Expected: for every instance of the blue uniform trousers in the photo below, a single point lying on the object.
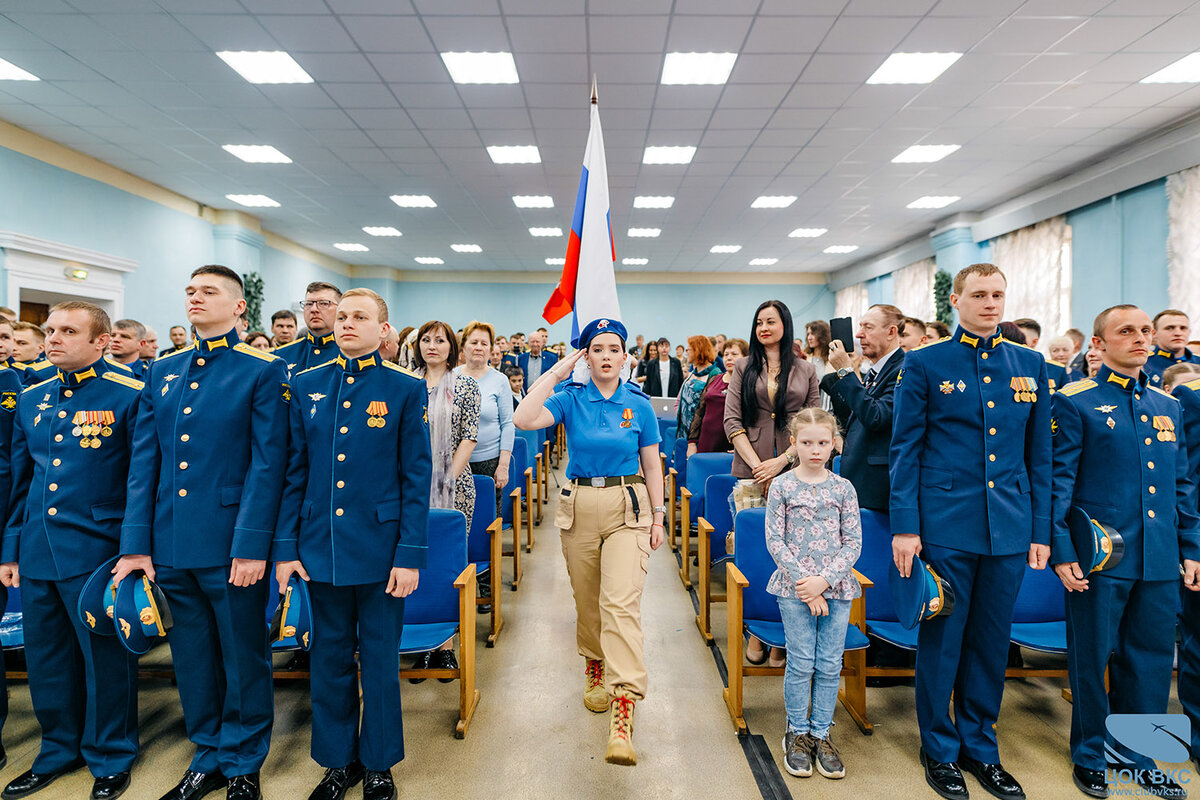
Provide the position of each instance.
(1189, 663)
(367, 619)
(1128, 627)
(83, 686)
(222, 665)
(966, 653)
(3, 674)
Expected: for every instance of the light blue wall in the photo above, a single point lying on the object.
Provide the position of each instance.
(1119, 253)
(881, 290)
(285, 276)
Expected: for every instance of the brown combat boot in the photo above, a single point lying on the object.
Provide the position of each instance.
(595, 696)
(620, 732)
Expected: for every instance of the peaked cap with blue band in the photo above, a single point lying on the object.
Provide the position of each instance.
(924, 595)
(96, 601)
(1098, 546)
(140, 614)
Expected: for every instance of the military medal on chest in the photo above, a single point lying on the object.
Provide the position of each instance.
(1166, 429)
(376, 410)
(1024, 390)
(90, 426)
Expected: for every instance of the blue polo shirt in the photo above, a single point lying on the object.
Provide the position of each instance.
(604, 436)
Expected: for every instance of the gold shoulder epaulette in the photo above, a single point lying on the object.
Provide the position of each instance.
(318, 366)
(17, 365)
(112, 362)
(292, 343)
(1018, 344)
(242, 347)
(174, 353)
(398, 368)
(124, 380)
(1164, 394)
(36, 385)
(1077, 386)
(1056, 363)
(931, 344)
(1194, 385)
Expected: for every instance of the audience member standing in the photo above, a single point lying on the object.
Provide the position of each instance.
(179, 339)
(664, 376)
(912, 334)
(707, 431)
(537, 360)
(703, 369)
(1171, 332)
(1188, 395)
(493, 450)
(317, 346)
(283, 327)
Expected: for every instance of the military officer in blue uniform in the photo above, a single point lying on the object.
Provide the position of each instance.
(1188, 395)
(1171, 331)
(1122, 619)
(358, 537)
(70, 463)
(10, 388)
(317, 346)
(209, 459)
(969, 455)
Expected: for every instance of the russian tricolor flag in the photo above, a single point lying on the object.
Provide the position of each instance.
(588, 285)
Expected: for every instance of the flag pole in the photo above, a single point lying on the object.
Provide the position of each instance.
(594, 89)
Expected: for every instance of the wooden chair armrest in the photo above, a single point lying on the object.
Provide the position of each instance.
(703, 526)
(735, 575)
(683, 492)
(863, 580)
(465, 578)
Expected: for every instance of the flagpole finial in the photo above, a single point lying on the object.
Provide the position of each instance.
(594, 90)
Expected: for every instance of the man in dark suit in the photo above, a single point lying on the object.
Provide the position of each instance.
(654, 373)
(869, 398)
(538, 360)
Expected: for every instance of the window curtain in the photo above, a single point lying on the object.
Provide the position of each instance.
(851, 302)
(1037, 262)
(913, 288)
(1183, 240)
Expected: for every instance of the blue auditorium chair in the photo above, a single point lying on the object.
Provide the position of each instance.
(12, 631)
(520, 471)
(874, 561)
(691, 502)
(751, 610)
(711, 530)
(442, 605)
(533, 442)
(511, 515)
(676, 475)
(483, 548)
(1040, 614)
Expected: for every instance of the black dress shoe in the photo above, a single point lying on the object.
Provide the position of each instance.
(994, 779)
(109, 787)
(243, 787)
(485, 593)
(336, 781)
(378, 786)
(420, 662)
(195, 785)
(443, 659)
(29, 781)
(1090, 781)
(945, 778)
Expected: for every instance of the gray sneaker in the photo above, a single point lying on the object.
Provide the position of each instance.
(829, 763)
(797, 754)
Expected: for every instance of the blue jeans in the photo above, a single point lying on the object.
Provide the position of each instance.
(814, 664)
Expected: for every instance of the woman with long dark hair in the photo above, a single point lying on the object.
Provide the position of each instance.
(817, 336)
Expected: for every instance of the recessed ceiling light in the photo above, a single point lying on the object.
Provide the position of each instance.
(925, 153)
(838, 249)
(725, 248)
(808, 233)
(933, 201)
(913, 67)
(545, 231)
(351, 247)
(413, 201)
(1185, 70)
(481, 67)
(668, 155)
(382, 231)
(763, 262)
(466, 248)
(644, 233)
(533, 201)
(773, 201)
(653, 201)
(11, 72)
(257, 153)
(635, 262)
(265, 66)
(555, 262)
(515, 154)
(698, 68)
(428, 260)
(252, 200)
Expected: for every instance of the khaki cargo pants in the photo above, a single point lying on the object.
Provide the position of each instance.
(607, 548)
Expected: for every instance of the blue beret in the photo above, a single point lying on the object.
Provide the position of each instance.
(923, 595)
(599, 326)
(291, 628)
(95, 606)
(140, 613)
(1097, 546)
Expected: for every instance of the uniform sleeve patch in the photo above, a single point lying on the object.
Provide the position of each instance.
(8, 400)
(287, 393)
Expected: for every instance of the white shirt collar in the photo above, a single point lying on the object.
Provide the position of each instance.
(878, 365)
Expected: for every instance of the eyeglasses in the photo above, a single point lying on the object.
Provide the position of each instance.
(321, 304)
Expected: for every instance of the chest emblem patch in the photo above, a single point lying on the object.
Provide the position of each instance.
(947, 387)
(1110, 423)
(316, 397)
(167, 383)
(1106, 409)
(962, 387)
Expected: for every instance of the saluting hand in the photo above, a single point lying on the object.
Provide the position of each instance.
(1191, 574)
(1039, 555)
(563, 368)
(284, 571)
(128, 564)
(402, 581)
(1071, 576)
(10, 575)
(904, 547)
(247, 571)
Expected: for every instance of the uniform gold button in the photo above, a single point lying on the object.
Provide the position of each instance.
(183, 465)
(339, 512)
(1145, 418)
(316, 352)
(195, 385)
(985, 355)
(184, 438)
(341, 484)
(341, 456)
(68, 393)
(350, 380)
(187, 410)
(57, 462)
(1150, 465)
(345, 404)
(200, 362)
(992, 431)
(343, 429)
(1147, 440)
(991, 484)
(1152, 490)
(52, 511)
(53, 487)
(183, 492)
(992, 457)
(1137, 397)
(58, 438)
(62, 414)
(1150, 513)
(987, 378)
(991, 404)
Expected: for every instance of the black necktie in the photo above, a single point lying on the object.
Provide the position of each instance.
(870, 378)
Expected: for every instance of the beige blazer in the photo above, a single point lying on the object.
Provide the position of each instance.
(768, 441)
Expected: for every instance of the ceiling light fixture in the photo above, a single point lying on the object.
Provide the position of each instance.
(428, 260)
(925, 153)
(533, 201)
(555, 262)
(413, 201)
(808, 233)
(763, 262)
(252, 200)
(515, 154)
(653, 201)
(644, 233)
(545, 231)
(725, 248)
(933, 201)
(773, 201)
(487, 68)
(256, 153)
(839, 249)
(669, 154)
(466, 248)
(1185, 70)
(635, 262)
(696, 69)
(382, 231)
(351, 247)
(913, 67)
(11, 72)
(265, 66)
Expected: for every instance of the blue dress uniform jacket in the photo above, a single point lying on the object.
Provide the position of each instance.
(210, 453)
(1160, 359)
(971, 444)
(1120, 454)
(10, 388)
(1188, 395)
(1059, 375)
(71, 444)
(306, 352)
(359, 461)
